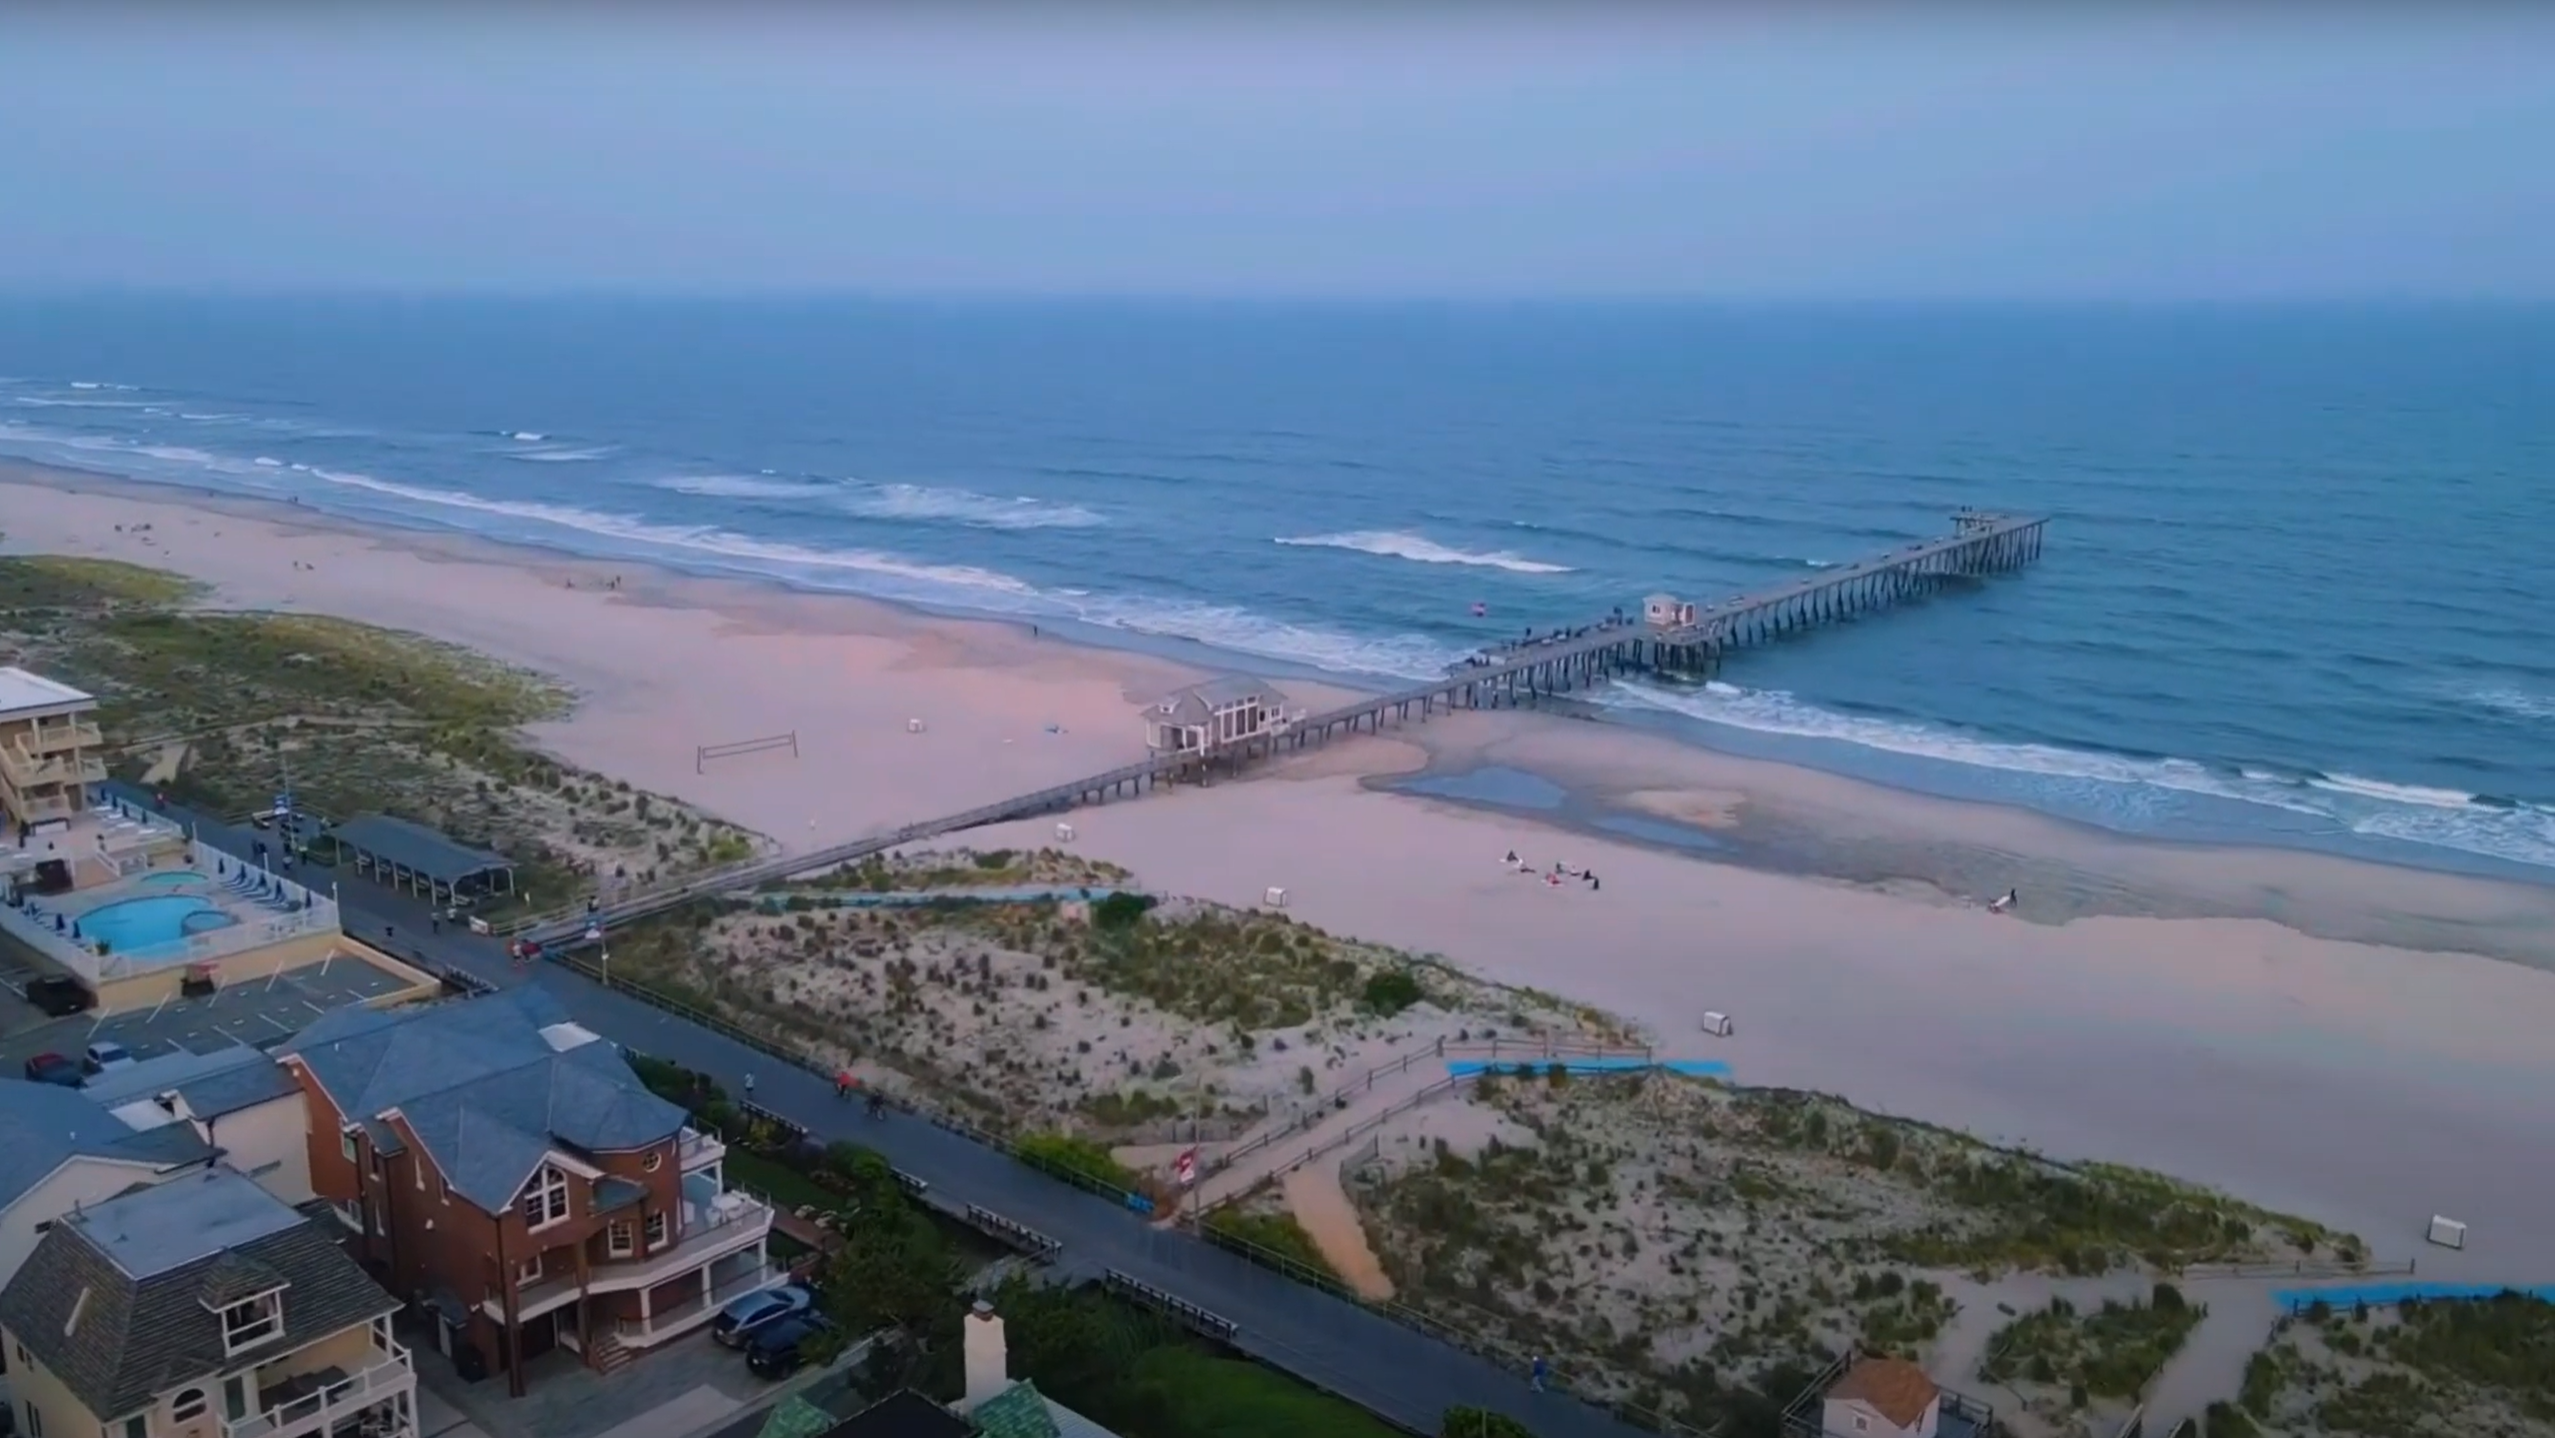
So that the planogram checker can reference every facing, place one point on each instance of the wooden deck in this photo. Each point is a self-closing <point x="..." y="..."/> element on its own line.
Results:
<point x="1519" y="673"/>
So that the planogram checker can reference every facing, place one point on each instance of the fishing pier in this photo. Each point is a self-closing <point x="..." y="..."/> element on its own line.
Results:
<point x="1670" y="637"/>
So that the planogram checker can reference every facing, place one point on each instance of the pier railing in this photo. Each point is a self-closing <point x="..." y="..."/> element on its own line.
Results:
<point x="1982" y="544"/>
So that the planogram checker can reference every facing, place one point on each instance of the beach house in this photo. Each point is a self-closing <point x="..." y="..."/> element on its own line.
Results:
<point x="1864" y="1395"/>
<point x="1666" y="611"/>
<point x="509" y="1170"/>
<point x="203" y="1307"/>
<point x="1216" y="716"/>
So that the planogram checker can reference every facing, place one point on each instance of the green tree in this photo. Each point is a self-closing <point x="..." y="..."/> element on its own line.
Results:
<point x="1480" y="1423"/>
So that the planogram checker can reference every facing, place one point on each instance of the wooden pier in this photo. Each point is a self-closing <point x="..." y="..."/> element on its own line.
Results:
<point x="1510" y="675"/>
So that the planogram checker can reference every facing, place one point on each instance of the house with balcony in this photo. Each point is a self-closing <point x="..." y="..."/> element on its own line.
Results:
<point x="509" y="1172"/>
<point x="51" y="752"/>
<point x="203" y="1307"/>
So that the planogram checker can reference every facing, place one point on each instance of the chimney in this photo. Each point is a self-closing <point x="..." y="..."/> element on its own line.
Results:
<point x="988" y="1367"/>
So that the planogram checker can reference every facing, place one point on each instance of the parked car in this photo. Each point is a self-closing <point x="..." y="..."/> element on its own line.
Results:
<point x="778" y="1348"/>
<point x="106" y="1056"/>
<point x="53" y="1069"/>
<point x="741" y="1318"/>
<point x="59" y="996"/>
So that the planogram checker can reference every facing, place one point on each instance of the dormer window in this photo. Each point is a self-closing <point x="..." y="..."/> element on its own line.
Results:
<point x="545" y="1199"/>
<point x="253" y="1321"/>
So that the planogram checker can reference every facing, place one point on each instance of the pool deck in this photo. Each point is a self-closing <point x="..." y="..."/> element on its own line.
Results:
<point x="253" y="924"/>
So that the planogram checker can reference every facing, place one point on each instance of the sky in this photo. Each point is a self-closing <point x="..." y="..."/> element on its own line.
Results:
<point x="1829" y="152"/>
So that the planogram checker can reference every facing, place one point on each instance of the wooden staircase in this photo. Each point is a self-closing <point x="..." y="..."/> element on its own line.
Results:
<point x="609" y="1356"/>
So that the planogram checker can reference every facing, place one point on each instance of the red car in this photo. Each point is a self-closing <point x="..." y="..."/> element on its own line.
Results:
<point x="53" y="1069"/>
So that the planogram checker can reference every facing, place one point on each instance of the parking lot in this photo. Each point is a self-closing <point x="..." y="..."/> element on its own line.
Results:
<point x="259" y="1013"/>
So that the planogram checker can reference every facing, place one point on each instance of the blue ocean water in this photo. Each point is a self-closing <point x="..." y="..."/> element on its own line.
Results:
<point x="2298" y="588"/>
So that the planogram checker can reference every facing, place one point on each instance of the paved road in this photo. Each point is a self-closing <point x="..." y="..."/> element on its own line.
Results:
<point x="1390" y="1368"/>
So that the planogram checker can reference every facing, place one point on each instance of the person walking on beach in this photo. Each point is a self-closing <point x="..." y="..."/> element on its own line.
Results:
<point x="1536" y="1372"/>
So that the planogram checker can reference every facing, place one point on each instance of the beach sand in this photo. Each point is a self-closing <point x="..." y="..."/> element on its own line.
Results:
<point x="2314" y="1034"/>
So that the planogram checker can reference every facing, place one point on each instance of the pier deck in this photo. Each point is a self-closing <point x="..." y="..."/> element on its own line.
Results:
<point x="1508" y="675"/>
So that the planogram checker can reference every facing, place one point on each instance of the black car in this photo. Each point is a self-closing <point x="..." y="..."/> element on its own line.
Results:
<point x="59" y="997"/>
<point x="777" y="1349"/>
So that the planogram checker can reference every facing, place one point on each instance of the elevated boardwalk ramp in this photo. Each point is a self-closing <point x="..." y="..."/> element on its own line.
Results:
<point x="1512" y="674"/>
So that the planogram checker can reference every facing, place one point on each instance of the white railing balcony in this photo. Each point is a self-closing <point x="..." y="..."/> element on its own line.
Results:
<point x="696" y="1150"/>
<point x="49" y="738"/>
<point x="331" y="1396"/>
<point x="736" y="1220"/>
<point x="710" y="1231"/>
<point x="27" y="770"/>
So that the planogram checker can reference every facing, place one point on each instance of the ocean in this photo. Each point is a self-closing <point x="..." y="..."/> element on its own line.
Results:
<point x="2297" y="589"/>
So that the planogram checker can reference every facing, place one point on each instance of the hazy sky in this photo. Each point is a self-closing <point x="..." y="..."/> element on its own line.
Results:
<point x="2243" y="151"/>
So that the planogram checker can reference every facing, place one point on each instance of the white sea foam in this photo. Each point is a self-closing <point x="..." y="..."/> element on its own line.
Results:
<point x="2392" y="793"/>
<point x="739" y="486"/>
<point x="84" y="384"/>
<point x="530" y="436"/>
<point x="1394" y="544"/>
<point x="37" y="401"/>
<point x="700" y="544"/>
<point x="2443" y="818"/>
<point x="1772" y="711"/>
<point x="2515" y="703"/>
<point x="562" y="454"/>
<point x="268" y="462"/>
<point x="935" y="505"/>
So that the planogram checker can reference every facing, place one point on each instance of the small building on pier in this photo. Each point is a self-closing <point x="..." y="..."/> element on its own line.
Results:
<point x="1666" y="611"/>
<point x="1217" y="715"/>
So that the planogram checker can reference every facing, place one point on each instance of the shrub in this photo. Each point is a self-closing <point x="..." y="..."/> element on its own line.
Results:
<point x="1480" y="1423"/>
<point x="1391" y="991"/>
<point x="1120" y="910"/>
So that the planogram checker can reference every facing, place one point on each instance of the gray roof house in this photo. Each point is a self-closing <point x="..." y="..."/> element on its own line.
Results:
<point x="221" y="1082"/>
<point x="1216" y="714"/>
<point x="488" y="1085"/>
<point x="506" y="1167"/>
<point x="204" y="1290"/>
<point x="59" y="1151"/>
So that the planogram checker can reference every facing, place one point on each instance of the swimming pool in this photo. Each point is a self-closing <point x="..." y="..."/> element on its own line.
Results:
<point x="130" y="926"/>
<point x="169" y="878"/>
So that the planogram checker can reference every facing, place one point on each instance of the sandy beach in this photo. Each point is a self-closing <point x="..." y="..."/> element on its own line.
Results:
<point x="2358" y="1044"/>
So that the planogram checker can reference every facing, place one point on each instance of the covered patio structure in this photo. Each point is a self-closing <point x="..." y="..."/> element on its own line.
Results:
<point x="411" y="857"/>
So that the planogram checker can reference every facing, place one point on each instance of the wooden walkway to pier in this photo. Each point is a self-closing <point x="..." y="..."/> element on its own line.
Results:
<point x="1983" y="544"/>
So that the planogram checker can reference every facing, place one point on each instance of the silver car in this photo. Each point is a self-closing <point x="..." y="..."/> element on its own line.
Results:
<point x="738" y="1321"/>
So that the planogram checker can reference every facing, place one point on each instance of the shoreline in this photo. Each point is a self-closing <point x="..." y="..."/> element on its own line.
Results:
<point x="2196" y="809"/>
<point x="1179" y="660"/>
<point x="2298" y="1029"/>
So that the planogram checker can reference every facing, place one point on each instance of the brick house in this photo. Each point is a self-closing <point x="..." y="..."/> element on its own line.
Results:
<point x="507" y="1170"/>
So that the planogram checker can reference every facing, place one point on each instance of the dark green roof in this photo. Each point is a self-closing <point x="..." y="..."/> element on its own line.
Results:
<point x="1015" y="1412"/>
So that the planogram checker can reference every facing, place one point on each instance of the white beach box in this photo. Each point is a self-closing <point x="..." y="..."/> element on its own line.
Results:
<point x="1717" y="1023"/>
<point x="2447" y="1232"/>
<point x="1064" y="833"/>
<point x="913" y="726"/>
<point x="1275" y="898"/>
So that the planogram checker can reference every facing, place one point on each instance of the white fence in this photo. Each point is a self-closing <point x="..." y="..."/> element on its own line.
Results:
<point x="266" y="909"/>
